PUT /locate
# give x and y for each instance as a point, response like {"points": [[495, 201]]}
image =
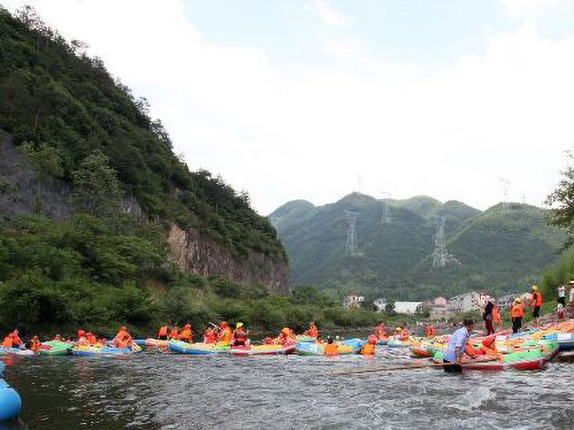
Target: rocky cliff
{"points": [[201, 255], [23, 192]]}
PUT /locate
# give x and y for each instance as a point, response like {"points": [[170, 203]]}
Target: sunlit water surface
{"points": [[167, 391]]}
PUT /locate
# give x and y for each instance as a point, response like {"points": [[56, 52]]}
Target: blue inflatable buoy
{"points": [[10, 402]]}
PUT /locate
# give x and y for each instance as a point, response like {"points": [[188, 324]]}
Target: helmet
{"points": [[518, 300], [222, 324], [123, 328], [188, 326], [535, 288], [238, 325], [286, 331], [399, 329]]}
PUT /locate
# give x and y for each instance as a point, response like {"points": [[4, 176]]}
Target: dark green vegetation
{"points": [[500, 250], [98, 274], [61, 106]]}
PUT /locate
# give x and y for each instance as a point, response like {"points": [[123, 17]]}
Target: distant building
{"points": [[406, 307], [439, 308], [505, 302], [439, 301], [353, 301], [466, 302], [380, 305]]}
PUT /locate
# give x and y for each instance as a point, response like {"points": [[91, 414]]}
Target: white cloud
{"points": [[330, 16], [308, 133], [529, 9]]}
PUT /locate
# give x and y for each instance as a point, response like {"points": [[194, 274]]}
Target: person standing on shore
{"points": [[562, 295], [454, 351], [517, 312], [571, 291], [536, 303], [487, 315]]}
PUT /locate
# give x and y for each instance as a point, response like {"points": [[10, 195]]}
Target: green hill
{"points": [[498, 249]]}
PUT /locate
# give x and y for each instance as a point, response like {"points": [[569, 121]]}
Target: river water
{"points": [[167, 391]]}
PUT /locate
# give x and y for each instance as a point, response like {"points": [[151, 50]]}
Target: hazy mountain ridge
{"points": [[497, 249]]}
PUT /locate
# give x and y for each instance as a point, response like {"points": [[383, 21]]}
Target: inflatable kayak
{"points": [[395, 343], [154, 343], [305, 338], [346, 347], [104, 351], [16, 351], [54, 347], [263, 350], [529, 359], [565, 340], [197, 348], [10, 402]]}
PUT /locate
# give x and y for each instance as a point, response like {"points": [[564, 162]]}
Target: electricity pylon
{"points": [[351, 247], [441, 256], [505, 198], [386, 217]]}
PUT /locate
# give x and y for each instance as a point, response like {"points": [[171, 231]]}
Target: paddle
{"points": [[391, 368]]}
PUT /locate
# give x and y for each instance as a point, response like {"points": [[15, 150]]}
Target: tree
{"points": [[423, 311], [390, 308], [562, 200], [96, 186]]}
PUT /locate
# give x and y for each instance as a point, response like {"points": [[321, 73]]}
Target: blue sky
{"points": [[292, 99]]}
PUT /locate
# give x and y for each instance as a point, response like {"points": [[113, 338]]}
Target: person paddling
{"points": [[186, 334], [455, 349], [174, 335], [224, 337], [239, 337], [162, 333], [313, 331], [123, 339], [209, 336], [370, 347]]}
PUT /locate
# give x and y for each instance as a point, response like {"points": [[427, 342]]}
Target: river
{"points": [[167, 391]]}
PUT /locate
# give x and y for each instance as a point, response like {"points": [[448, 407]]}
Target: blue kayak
{"points": [[10, 402]]}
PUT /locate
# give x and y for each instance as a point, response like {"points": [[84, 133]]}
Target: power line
{"points": [[441, 255]]}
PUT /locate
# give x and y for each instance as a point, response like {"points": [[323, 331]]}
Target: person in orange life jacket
{"points": [[330, 348], [370, 347], [81, 333], [174, 334], [268, 341], [380, 332], [209, 336], [9, 341], [313, 331], [123, 339], [186, 334], [496, 315], [536, 302], [517, 312], [239, 336], [286, 337], [91, 339], [162, 333], [430, 331], [401, 334], [16, 341], [224, 336], [35, 344]]}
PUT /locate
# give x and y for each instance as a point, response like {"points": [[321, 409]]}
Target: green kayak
{"points": [[54, 347]]}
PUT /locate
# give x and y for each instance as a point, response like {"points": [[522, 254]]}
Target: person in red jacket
{"points": [[209, 336], [162, 333]]}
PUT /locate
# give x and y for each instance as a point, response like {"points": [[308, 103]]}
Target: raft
{"points": [[565, 340], [10, 402], [395, 343], [16, 351], [263, 350], [155, 343], [104, 351], [305, 338], [181, 347], [529, 359], [352, 346], [55, 348]]}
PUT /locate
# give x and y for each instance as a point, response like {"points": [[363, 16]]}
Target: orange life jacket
{"points": [[174, 334], [368, 349], [331, 349], [8, 342], [209, 336], [517, 310], [225, 335], [496, 316], [538, 299], [91, 339], [162, 331], [186, 335], [313, 332], [35, 346]]}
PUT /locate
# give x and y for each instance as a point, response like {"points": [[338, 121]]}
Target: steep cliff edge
{"points": [[199, 254]]}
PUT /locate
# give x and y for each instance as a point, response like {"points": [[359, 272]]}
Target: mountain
{"points": [[496, 250], [73, 138]]}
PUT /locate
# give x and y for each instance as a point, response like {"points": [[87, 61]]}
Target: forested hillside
{"points": [[89, 191], [499, 250]]}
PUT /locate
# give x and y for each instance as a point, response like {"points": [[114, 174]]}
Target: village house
{"points": [[353, 301], [466, 302]]}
